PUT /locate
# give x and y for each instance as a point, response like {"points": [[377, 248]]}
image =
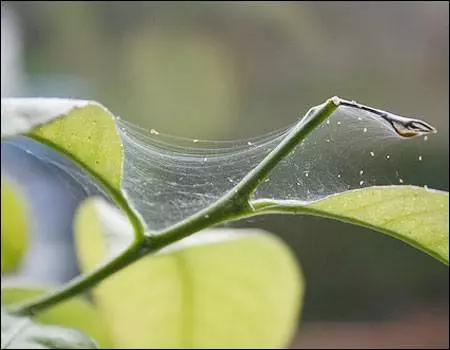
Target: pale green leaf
{"points": [[22, 333], [221, 288], [75, 313], [14, 227], [83, 130], [415, 215]]}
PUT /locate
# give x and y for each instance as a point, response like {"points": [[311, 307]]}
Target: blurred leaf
{"points": [[418, 216], [87, 133], [22, 333], [75, 313], [14, 227], [219, 288]]}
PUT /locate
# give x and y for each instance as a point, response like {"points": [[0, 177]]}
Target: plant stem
{"points": [[79, 284], [233, 205], [237, 201]]}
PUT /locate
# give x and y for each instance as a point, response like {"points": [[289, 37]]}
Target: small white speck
{"points": [[195, 141], [205, 159], [388, 156], [230, 180], [328, 122], [339, 175], [249, 143], [425, 138], [154, 132], [400, 180], [361, 183], [206, 216], [266, 180], [372, 154], [420, 158], [327, 140], [365, 130], [361, 172], [359, 118], [338, 123], [306, 174]]}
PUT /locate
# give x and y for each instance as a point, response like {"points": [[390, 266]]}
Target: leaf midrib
{"points": [[15, 332]]}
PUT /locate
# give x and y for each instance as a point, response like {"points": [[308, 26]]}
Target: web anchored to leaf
{"points": [[172, 187], [168, 179]]}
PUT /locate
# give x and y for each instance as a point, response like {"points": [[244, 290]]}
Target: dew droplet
{"points": [[195, 141], [249, 143], [372, 154], [338, 123], [206, 216], [306, 174], [267, 180], [400, 180], [361, 183], [154, 132], [205, 159], [388, 156], [365, 130], [339, 175], [361, 172], [359, 118], [328, 121], [420, 158]]}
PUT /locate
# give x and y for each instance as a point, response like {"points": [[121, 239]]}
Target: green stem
{"points": [[237, 201], [79, 284], [233, 205]]}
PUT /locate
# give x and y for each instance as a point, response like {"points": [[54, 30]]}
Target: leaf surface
{"points": [[218, 288]]}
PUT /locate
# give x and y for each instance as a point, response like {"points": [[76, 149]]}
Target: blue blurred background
{"points": [[232, 70]]}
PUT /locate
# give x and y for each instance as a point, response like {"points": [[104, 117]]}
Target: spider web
{"points": [[167, 178]]}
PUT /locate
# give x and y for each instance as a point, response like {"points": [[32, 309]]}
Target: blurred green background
{"points": [[237, 69]]}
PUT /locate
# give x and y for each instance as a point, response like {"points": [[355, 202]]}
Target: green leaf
{"points": [[75, 313], [22, 333], [14, 227], [415, 215], [218, 288], [84, 130]]}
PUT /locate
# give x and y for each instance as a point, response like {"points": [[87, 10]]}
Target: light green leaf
{"points": [[415, 215], [221, 288], [75, 313], [14, 227], [83, 130], [22, 333]]}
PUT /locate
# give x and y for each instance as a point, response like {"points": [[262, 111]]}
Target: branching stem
{"points": [[233, 205]]}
